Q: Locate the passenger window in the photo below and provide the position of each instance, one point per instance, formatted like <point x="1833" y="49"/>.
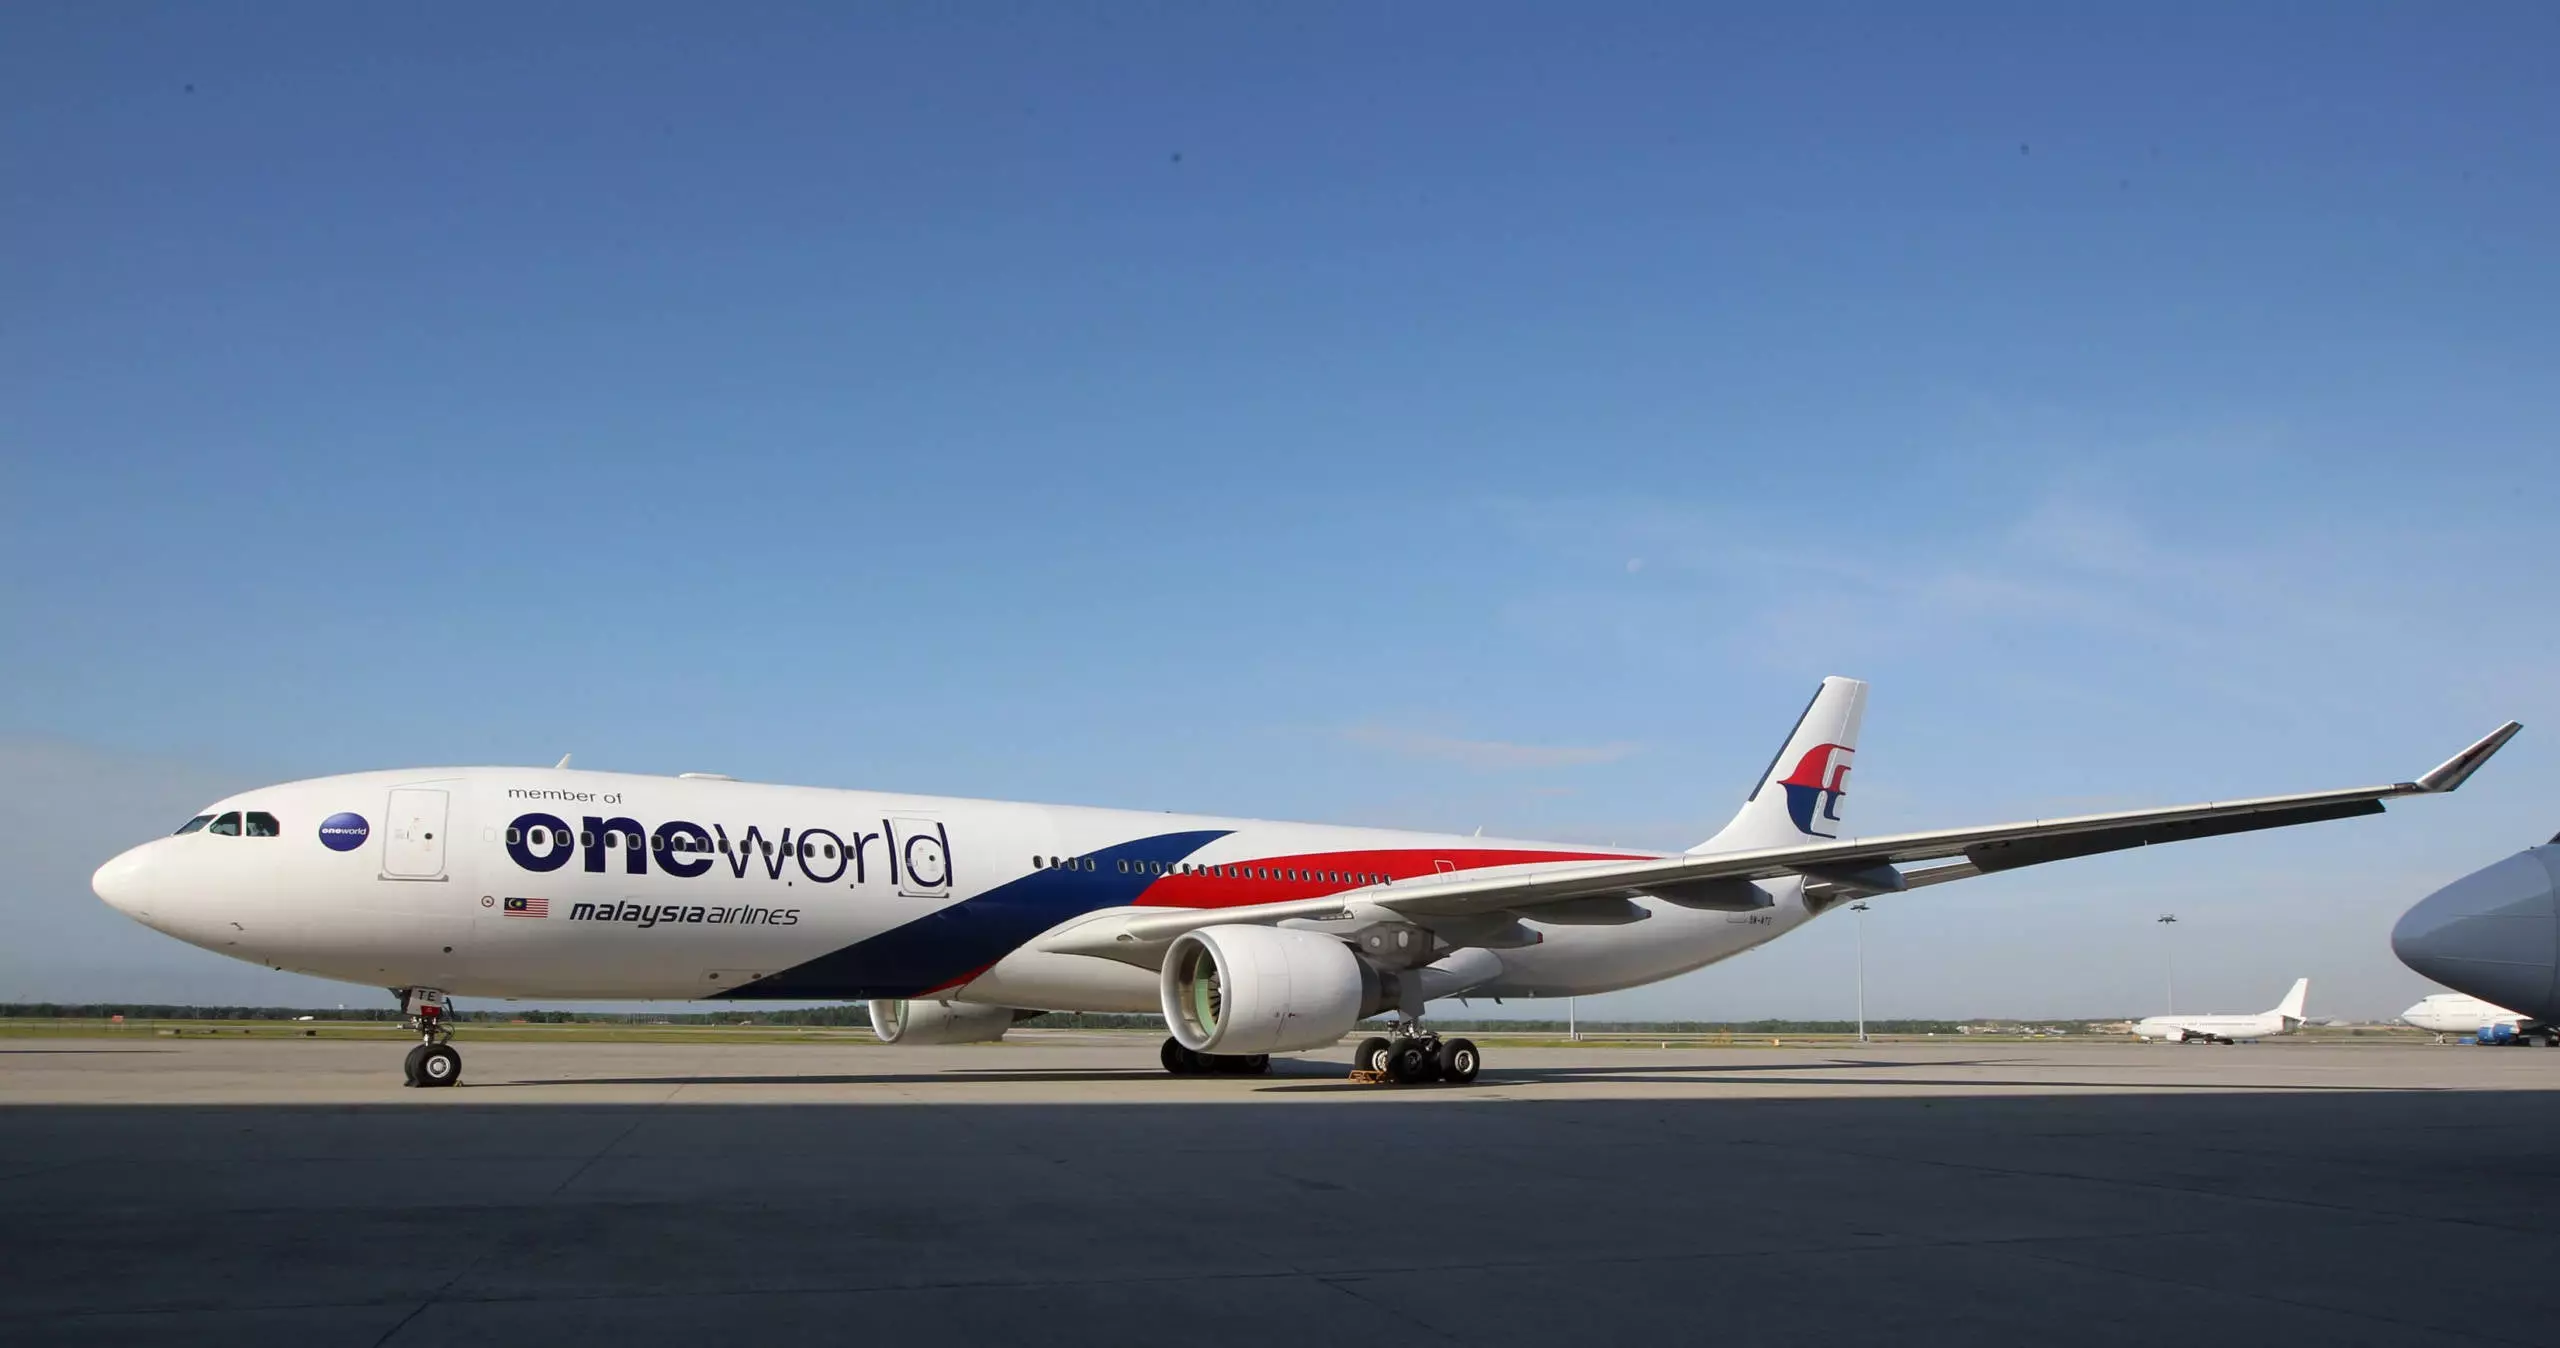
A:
<point x="228" y="825"/>
<point x="262" y="825"/>
<point x="193" y="824"/>
<point x="829" y="849"/>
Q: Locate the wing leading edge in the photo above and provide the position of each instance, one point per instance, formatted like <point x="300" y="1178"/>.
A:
<point x="1838" y="868"/>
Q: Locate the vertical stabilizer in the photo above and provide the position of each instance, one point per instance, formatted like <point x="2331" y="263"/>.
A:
<point x="1798" y="798"/>
<point x="2291" y="1007"/>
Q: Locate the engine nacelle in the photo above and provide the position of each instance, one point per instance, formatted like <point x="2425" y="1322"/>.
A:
<point x="940" y="1022"/>
<point x="1243" y="989"/>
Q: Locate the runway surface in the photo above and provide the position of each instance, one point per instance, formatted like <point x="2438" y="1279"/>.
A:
<point x="1062" y="1191"/>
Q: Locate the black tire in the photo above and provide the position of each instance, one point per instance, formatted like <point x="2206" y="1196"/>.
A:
<point x="439" y="1066"/>
<point x="1256" y="1065"/>
<point x="409" y="1067"/>
<point x="1241" y="1064"/>
<point x="1459" y="1061"/>
<point x="1412" y="1065"/>
<point x="1371" y="1056"/>
<point x="1178" y="1060"/>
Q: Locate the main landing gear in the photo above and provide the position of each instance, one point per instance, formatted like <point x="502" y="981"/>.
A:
<point x="1182" y="1062"/>
<point x="433" y="1062"/>
<point x="1410" y="1055"/>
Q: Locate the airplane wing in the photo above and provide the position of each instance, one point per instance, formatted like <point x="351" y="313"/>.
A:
<point x="1599" y="892"/>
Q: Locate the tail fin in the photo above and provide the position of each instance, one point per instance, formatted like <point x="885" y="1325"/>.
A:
<point x="2291" y="1007"/>
<point x="1798" y="798"/>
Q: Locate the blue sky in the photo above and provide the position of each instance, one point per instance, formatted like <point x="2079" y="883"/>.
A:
<point x="1448" y="416"/>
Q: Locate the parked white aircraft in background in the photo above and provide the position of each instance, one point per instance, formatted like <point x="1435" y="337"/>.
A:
<point x="2285" y="1019"/>
<point x="2458" y="1013"/>
<point x="958" y="917"/>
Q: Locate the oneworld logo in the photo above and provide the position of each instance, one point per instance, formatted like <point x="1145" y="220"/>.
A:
<point x="343" y="832"/>
<point x="914" y="855"/>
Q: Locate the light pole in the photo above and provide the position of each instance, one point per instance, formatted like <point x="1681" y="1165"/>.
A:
<point x="1860" y="908"/>
<point x="2169" y="958"/>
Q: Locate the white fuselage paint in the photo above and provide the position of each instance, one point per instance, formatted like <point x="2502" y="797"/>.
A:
<point x="403" y="908"/>
<point x="2230" y="1028"/>
<point x="2458" y="1013"/>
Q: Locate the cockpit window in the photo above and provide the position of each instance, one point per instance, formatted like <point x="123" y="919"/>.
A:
<point x="228" y="825"/>
<point x="193" y="824"/>
<point x="262" y="824"/>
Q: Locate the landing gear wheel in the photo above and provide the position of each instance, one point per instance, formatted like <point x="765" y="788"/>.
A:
<point x="1178" y="1060"/>
<point x="409" y="1068"/>
<point x="1240" y="1064"/>
<point x="1371" y="1056"/>
<point x="439" y="1065"/>
<point x="1459" y="1062"/>
<point x="1412" y="1064"/>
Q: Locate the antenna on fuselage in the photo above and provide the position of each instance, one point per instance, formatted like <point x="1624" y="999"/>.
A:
<point x="564" y="762"/>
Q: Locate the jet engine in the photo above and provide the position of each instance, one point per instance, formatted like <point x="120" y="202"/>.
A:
<point x="1240" y="989"/>
<point x="941" y="1022"/>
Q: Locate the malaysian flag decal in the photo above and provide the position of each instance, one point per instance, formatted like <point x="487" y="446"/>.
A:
<point x="528" y="907"/>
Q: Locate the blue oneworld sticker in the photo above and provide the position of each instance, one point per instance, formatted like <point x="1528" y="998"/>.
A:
<point x="344" y="832"/>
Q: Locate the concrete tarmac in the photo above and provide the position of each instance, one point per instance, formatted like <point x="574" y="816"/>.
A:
<point x="1063" y="1191"/>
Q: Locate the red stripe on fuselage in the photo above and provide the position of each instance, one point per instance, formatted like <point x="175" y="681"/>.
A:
<point x="1234" y="884"/>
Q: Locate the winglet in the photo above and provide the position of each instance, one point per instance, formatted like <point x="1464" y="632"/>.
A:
<point x="2456" y="770"/>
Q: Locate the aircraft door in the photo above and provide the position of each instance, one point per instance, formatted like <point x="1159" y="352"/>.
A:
<point x="922" y="848"/>
<point x="414" y="834"/>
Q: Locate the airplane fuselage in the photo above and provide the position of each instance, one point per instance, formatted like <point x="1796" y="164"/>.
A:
<point x="523" y="883"/>
<point x="2212" y="1029"/>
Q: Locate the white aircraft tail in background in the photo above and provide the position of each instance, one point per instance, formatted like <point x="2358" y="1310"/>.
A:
<point x="2290" y="1009"/>
<point x="2284" y="1019"/>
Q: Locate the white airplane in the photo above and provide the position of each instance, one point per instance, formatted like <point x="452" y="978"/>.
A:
<point x="2284" y="1019"/>
<point x="955" y="917"/>
<point x="2458" y="1013"/>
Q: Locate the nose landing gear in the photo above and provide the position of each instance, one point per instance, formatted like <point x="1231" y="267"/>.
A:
<point x="433" y="1062"/>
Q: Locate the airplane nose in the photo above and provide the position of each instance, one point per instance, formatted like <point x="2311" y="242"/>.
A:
<point x="2494" y="933"/>
<point x="119" y="883"/>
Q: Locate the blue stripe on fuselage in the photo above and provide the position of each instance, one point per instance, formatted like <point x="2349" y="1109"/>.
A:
<point x="945" y="946"/>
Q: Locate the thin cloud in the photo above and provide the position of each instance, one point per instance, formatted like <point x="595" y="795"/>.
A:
<point x="1490" y="754"/>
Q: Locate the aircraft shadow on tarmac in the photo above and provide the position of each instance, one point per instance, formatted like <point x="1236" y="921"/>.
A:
<point x="2236" y="1217"/>
<point x="1314" y="1077"/>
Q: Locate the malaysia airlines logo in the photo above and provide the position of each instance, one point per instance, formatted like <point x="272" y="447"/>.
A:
<point x="1815" y="787"/>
